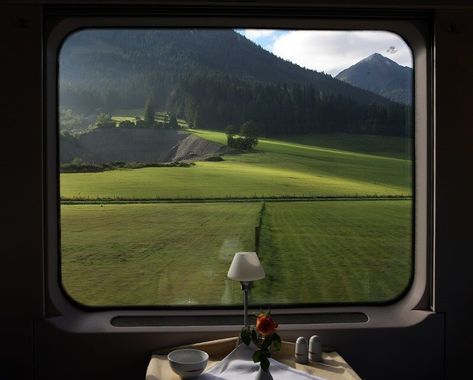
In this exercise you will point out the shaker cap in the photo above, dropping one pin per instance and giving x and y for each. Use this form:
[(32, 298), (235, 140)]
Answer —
[(301, 345)]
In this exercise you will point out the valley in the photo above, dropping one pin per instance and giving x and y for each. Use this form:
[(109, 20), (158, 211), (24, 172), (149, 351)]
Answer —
[(178, 148), (325, 212)]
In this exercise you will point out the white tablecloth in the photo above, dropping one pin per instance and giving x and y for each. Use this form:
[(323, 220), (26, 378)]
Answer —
[(333, 366), (239, 365)]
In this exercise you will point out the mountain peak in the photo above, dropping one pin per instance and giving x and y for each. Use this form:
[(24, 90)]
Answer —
[(378, 58), (381, 75)]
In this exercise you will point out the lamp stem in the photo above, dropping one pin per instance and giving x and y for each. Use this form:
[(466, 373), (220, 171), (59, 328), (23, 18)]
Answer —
[(245, 286)]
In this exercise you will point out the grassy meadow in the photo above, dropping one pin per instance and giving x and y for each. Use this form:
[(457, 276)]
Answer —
[(383, 146), (133, 254), (178, 253), (277, 168), (335, 250), (149, 254)]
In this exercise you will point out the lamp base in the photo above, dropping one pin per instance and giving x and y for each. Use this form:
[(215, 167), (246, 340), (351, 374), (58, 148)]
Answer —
[(263, 375)]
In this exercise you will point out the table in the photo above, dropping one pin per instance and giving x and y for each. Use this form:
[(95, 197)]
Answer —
[(333, 366)]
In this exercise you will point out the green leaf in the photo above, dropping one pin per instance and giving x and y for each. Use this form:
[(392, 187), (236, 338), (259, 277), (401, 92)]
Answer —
[(257, 356), (276, 342), (245, 336), (276, 346), (264, 364)]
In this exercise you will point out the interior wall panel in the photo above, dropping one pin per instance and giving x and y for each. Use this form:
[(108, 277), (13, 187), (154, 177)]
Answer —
[(21, 285), (454, 258)]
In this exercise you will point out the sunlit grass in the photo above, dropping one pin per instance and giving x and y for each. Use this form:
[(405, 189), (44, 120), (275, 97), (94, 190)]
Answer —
[(154, 254), (179, 254), (335, 251), (277, 168)]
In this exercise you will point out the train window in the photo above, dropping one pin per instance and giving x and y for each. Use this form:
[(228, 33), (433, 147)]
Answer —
[(180, 146)]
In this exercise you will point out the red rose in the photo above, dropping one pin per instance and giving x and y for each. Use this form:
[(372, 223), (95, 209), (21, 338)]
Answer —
[(265, 325)]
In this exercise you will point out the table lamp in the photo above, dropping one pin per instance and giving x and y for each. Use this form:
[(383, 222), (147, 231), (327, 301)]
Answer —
[(245, 268)]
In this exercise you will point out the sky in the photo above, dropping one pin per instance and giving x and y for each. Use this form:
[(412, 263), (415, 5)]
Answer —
[(330, 51)]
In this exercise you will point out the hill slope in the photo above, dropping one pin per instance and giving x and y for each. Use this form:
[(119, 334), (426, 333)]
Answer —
[(98, 56), (136, 145), (382, 76), (278, 168), (213, 78)]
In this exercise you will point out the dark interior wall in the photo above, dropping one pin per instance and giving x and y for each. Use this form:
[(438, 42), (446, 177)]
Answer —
[(31, 347), (454, 255), (21, 252)]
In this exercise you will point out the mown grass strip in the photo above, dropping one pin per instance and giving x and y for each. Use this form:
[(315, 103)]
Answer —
[(328, 252), (178, 254), (157, 254)]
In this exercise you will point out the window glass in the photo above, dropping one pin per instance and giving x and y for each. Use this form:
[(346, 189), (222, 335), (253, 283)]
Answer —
[(180, 147)]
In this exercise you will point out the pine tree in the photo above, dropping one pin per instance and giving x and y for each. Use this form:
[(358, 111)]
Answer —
[(173, 122), (149, 111)]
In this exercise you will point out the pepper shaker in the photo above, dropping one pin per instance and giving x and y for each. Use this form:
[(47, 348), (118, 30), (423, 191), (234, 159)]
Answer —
[(315, 349), (301, 354)]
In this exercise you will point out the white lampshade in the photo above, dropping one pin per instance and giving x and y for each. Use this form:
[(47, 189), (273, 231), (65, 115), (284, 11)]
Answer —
[(245, 267)]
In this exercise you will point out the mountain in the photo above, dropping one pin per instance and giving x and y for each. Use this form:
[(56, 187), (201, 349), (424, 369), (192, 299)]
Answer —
[(213, 78), (382, 76), (97, 56)]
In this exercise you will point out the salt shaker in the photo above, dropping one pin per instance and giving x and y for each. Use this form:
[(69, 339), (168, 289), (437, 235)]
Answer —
[(315, 349), (301, 354)]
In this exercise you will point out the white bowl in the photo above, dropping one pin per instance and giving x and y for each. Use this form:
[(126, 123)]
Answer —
[(187, 362)]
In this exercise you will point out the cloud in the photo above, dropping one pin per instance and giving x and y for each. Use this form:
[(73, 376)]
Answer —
[(262, 37), (255, 34), (333, 51)]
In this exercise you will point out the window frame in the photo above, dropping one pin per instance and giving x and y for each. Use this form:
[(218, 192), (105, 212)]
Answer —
[(412, 306)]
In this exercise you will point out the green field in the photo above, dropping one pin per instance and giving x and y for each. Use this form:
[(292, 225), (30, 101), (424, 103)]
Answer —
[(278, 168), (178, 253), (153, 254), (327, 251), (384, 146), (161, 254)]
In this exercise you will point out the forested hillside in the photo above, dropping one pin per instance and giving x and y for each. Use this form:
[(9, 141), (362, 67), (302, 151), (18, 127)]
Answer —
[(213, 78)]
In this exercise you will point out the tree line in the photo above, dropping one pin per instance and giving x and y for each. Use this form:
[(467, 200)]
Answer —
[(284, 109), (247, 137), (213, 101)]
